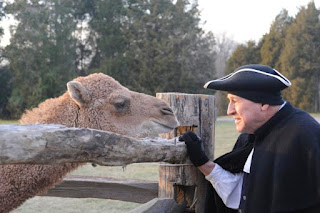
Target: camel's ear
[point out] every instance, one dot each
(78, 93)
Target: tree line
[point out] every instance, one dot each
(149, 46)
(292, 46)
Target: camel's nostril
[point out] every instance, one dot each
(167, 111)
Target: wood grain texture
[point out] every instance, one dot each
(106, 188)
(50, 144)
(194, 112)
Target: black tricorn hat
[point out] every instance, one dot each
(255, 82)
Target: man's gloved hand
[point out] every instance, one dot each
(194, 148)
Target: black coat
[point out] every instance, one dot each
(285, 168)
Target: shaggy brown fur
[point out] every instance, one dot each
(96, 101)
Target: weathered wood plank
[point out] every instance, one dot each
(106, 188)
(49, 144)
(206, 132)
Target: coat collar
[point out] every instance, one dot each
(266, 128)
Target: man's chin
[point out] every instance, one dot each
(239, 129)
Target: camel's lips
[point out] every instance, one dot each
(164, 125)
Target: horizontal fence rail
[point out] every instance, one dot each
(51, 144)
(137, 191)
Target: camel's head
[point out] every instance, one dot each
(103, 103)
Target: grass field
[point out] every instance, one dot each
(8, 121)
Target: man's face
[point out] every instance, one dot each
(248, 115)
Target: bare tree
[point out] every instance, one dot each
(224, 48)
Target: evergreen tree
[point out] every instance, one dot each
(2, 14)
(149, 46)
(106, 38)
(167, 50)
(5, 75)
(42, 52)
(273, 42)
(300, 59)
(248, 53)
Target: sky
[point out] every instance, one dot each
(246, 19)
(240, 20)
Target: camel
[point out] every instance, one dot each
(96, 101)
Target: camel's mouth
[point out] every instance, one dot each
(168, 127)
(154, 127)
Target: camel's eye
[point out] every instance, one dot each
(121, 104)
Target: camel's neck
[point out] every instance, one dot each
(59, 110)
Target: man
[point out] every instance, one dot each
(275, 163)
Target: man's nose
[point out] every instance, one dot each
(231, 109)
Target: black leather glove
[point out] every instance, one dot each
(194, 148)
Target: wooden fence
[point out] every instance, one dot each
(181, 186)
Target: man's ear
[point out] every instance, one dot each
(78, 93)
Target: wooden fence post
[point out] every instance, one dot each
(184, 182)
